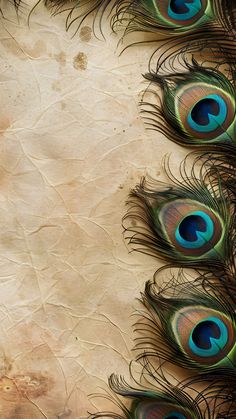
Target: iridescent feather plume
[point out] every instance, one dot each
(194, 108)
(175, 24)
(188, 222)
(170, 402)
(194, 328)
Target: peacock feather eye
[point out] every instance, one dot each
(195, 328)
(172, 18)
(205, 335)
(191, 227)
(181, 13)
(151, 409)
(161, 400)
(188, 222)
(165, 402)
(205, 112)
(196, 108)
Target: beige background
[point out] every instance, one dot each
(72, 144)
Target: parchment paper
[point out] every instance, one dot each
(72, 144)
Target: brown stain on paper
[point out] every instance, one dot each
(61, 58)
(85, 33)
(38, 50)
(18, 392)
(4, 125)
(24, 51)
(56, 86)
(80, 61)
(28, 385)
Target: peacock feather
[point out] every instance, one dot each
(196, 108)
(194, 329)
(188, 222)
(170, 403)
(4, 5)
(78, 11)
(220, 165)
(161, 399)
(178, 16)
(176, 24)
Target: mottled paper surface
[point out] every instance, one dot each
(72, 145)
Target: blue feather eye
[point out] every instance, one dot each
(208, 114)
(174, 415)
(184, 9)
(205, 113)
(149, 409)
(164, 401)
(208, 24)
(193, 329)
(191, 227)
(196, 108)
(205, 335)
(187, 222)
(181, 14)
(208, 337)
(195, 230)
